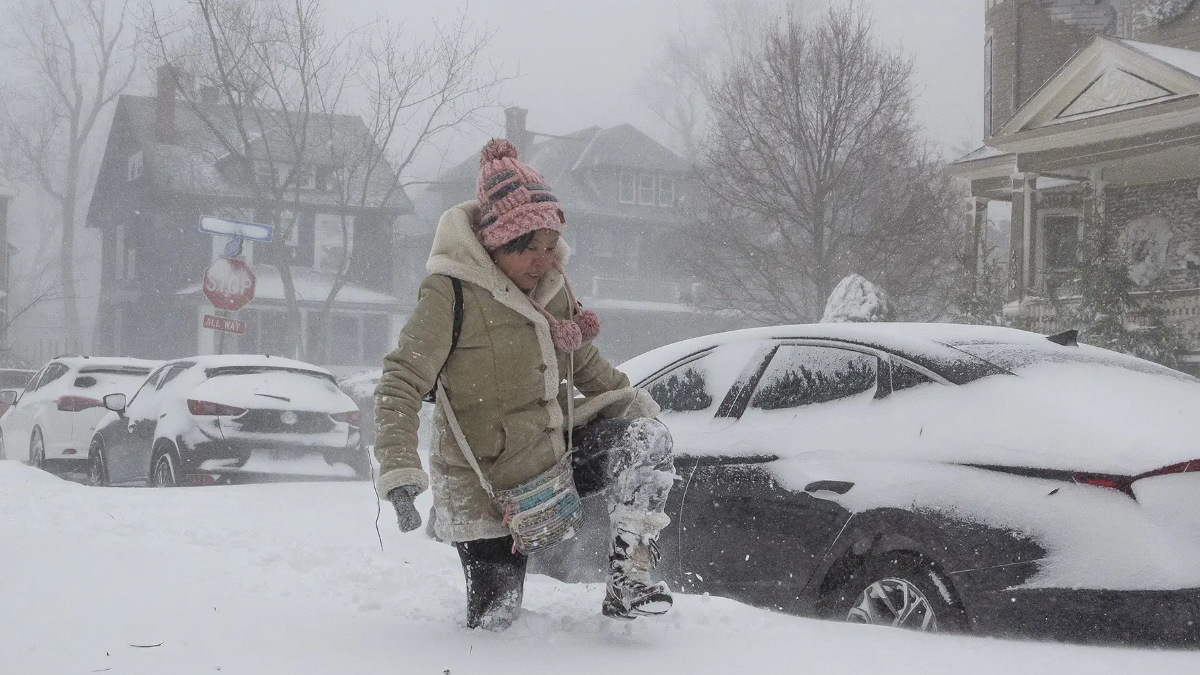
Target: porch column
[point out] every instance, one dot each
(1024, 222)
(975, 249)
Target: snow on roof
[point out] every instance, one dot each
(980, 153)
(310, 285)
(1184, 59)
(195, 162)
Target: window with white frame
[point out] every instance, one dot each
(134, 166)
(666, 191)
(646, 190)
(267, 175)
(628, 190)
(289, 228)
(334, 240)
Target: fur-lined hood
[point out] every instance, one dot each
(457, 252)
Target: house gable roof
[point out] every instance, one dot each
(196, 162)
(1106, 77)
(566, 162)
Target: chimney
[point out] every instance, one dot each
(515, 131)
(164, 119)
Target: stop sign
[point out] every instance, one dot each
(228, 284)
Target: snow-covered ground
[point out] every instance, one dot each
(290, 579)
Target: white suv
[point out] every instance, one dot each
(51, 422)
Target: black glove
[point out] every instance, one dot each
(406, 513)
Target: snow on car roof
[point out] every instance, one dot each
(81, 362)
(250, 360)
(934, 340)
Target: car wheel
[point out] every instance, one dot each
(37, 449)
(901, 590)
(163, 472)
(97, 473)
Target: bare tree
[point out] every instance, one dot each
(814, 169)
(276, 89)
(78, 57)
(675, 85)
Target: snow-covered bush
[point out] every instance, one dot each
(1158, 12)
(856, 300)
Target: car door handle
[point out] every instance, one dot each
(841, 487)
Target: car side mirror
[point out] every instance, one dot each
(8, 396)
(115, 403)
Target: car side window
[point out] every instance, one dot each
(904, 377)
(150, 383)
(801, 375)
(53, 372)
(684, 389)
(33, 381)
(173, 373)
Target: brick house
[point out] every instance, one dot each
(624, 195)
(162, 169)
(1092, 114)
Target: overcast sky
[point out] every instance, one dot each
(579, 59)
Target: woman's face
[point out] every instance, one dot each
(527, 267)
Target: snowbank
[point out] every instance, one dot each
(290, 579)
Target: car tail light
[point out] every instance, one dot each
(1182, 467)
(209, 408)
(352, 417)
(77, 403)
(1118, 483)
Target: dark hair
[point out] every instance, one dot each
(520, 244)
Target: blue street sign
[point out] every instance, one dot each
(238, 229)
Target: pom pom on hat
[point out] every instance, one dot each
(497, 148)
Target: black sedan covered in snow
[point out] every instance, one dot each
(935, 477)
(210, 418)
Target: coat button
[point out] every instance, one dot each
(543, 401)
(542, 367)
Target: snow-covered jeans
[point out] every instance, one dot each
(628, 459)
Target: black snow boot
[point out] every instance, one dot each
(495, 577)
(630, 593)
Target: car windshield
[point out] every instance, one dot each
(220, 371)
(109, 380)
(1013, 357)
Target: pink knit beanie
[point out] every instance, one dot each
(516, 201)
(514, 197)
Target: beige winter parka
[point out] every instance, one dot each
(504, 381)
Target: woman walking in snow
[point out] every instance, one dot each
(498, 332)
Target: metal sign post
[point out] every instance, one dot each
(230, 284)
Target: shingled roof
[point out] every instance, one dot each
(563, 161)
(197, 163)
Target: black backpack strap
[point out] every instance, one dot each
(458, 312)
